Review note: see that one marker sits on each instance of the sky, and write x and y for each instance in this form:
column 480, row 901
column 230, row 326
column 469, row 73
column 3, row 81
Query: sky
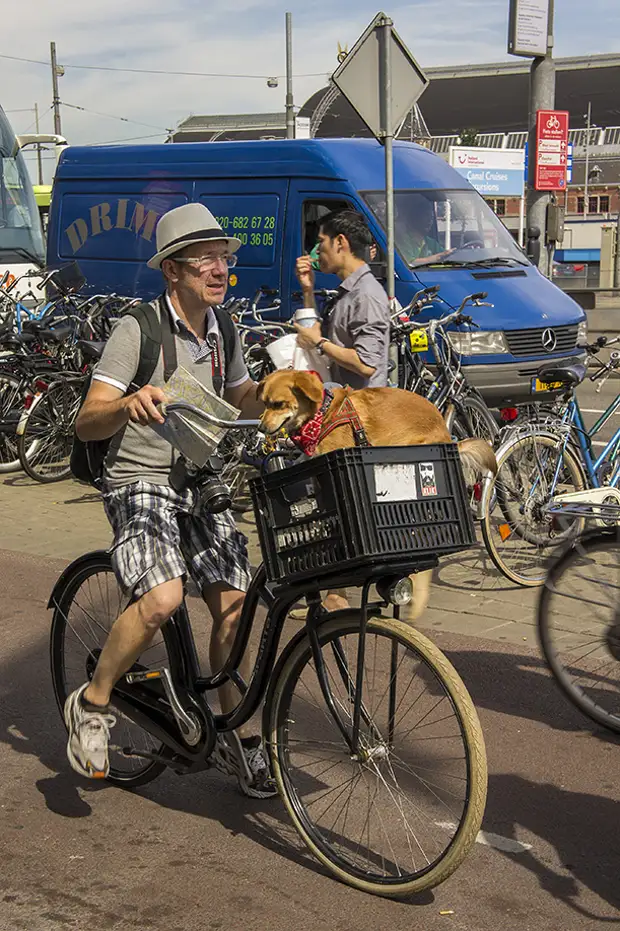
column 238, row 37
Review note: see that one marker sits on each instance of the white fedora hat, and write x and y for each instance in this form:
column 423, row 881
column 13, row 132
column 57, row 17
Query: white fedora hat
column 184, row 226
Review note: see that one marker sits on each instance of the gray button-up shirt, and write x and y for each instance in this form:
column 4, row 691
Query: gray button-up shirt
column 360, row 320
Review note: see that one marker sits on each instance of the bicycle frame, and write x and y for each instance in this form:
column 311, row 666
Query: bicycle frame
column 143, row 704
column 584, row 436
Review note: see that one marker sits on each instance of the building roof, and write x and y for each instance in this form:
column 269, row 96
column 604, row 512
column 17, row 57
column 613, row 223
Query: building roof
column 494, row 97
column 226, row 127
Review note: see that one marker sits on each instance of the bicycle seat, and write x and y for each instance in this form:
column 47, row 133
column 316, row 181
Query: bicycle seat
column 59, row 334
column 92, row 348
column 17, row 339
column 570, row 374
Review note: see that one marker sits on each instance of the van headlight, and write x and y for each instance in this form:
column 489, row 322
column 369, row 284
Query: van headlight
column 478, row 342
column 582, row 333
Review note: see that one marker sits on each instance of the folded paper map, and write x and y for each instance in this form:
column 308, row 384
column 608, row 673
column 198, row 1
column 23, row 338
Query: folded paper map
column 192, row 436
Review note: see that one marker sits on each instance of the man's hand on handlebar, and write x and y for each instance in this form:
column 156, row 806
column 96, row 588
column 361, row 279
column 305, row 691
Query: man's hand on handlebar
column 142, row 407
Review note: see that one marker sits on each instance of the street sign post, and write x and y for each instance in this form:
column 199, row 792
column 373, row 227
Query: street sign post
column 528, row 28
column 551, row 150
column 382, row 80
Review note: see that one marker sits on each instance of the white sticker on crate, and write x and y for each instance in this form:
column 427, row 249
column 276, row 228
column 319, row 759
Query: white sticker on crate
column 396, row 482
column 428, row 483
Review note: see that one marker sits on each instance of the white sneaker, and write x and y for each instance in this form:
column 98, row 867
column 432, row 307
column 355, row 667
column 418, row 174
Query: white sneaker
column 89, row 731
column 250, row 766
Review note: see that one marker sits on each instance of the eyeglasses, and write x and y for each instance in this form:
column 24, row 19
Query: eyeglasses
column 205, row 262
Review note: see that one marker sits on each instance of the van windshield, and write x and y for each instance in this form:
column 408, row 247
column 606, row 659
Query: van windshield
column 434, row 227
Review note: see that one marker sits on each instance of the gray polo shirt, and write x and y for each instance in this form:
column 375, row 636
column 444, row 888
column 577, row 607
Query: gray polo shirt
column 137, row 452
column 360, row 320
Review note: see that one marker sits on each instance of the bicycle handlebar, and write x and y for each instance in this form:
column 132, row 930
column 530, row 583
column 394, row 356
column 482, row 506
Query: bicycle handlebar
column 183, row 406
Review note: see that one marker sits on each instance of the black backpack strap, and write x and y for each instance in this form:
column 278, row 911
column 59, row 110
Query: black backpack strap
column 227, row 332
column 155, row 334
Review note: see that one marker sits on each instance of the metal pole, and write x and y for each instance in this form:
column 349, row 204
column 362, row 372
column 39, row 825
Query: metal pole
column 617, row 259
column 290, row 109
column 56, row 98
column 542, row 97
column 585, row 188
column 385, row 84
column 39, row 160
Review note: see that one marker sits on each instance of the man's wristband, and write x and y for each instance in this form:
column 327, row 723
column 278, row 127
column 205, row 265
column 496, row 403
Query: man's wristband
column 318, row 346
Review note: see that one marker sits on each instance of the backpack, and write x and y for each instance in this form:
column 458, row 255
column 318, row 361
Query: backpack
column 88, row 457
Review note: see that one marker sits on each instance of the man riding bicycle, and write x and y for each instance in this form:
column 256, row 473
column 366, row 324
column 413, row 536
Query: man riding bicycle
column 159, row 536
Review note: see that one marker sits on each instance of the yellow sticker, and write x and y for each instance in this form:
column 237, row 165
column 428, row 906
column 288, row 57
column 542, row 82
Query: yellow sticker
column 232, row 281
column 547, row 385
column 418, row 340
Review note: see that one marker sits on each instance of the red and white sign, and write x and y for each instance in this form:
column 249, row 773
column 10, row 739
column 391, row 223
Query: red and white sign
column 551, row 150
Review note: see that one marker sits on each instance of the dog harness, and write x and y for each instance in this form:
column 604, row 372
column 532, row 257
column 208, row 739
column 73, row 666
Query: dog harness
column 315, row 430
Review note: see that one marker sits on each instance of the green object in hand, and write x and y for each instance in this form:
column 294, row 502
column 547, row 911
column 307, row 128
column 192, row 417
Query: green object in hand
column 314, row 255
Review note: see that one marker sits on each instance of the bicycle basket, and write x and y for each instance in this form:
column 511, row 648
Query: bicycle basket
column 361, row 505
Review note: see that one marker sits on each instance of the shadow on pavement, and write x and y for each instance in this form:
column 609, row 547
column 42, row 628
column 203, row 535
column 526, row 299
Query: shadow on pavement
column 582, row 828
column 522, row 686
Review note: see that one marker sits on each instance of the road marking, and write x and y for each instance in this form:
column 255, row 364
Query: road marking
column 488, row 839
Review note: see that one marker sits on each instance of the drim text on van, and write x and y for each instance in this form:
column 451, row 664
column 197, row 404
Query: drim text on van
column 141, row 222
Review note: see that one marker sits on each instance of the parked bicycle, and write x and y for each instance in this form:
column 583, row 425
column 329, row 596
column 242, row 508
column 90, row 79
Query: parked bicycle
column 543, row 461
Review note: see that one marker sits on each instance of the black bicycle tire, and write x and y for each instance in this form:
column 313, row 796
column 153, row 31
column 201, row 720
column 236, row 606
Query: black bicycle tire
column 594, row 539
column 474, row 403
column 292, row 661
column 29, row 462
column 72, row 583
column 12, row 465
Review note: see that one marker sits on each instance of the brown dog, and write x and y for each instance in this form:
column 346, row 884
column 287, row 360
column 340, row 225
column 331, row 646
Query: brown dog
column 389, row 417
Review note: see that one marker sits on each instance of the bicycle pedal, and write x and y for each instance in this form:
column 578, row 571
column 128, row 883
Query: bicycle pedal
column 143, row 676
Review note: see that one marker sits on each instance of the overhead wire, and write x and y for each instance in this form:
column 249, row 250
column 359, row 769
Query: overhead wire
column 192, row 74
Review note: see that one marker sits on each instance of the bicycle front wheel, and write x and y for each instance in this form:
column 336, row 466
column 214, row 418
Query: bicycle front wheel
column 518, row 533
column 472, row 418
column 45, row 445
column 401, row 816
column 579, row 625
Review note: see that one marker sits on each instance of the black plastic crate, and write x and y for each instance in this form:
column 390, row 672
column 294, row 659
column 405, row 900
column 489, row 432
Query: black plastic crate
column 361, row 505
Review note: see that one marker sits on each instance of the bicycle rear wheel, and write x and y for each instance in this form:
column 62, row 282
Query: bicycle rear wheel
column 12, row 396
column 402, row 817
column 45, row 445
column 518, row 533
column 579, row 625
column 85, row 609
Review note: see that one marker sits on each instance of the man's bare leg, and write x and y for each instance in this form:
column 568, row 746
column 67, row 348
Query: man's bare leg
column 130, row 635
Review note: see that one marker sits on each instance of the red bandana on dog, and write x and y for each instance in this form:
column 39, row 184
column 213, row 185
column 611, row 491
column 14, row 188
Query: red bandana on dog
column 307, row 437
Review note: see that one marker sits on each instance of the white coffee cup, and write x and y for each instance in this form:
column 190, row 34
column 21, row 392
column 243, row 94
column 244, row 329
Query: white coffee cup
column 306, row 316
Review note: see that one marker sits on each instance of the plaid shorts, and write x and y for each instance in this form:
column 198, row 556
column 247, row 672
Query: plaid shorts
column 159, row 536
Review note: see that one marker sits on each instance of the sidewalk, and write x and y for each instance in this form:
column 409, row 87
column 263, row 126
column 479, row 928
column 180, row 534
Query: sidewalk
column 64, row 520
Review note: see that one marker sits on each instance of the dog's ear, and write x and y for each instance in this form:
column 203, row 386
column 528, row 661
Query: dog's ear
column 307, row 386
column 259, row 390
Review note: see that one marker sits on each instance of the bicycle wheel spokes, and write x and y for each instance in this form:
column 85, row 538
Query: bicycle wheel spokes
column 518, row 532
column 45, row 447
column 580, row 626
column 389, row 814
column 88, row 618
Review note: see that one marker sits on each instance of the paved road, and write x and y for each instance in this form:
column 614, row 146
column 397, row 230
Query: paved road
column 189, row 853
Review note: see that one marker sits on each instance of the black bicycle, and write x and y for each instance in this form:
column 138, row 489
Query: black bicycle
column 579, row 612
column 374, row 741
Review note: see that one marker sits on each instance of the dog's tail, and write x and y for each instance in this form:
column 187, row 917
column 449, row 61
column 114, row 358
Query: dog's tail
column 477, row 456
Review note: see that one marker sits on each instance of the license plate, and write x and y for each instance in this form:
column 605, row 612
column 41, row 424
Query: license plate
column 418, row 340
column 538, row 385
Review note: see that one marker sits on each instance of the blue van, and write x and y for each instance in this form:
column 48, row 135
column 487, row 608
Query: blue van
column 272, row 194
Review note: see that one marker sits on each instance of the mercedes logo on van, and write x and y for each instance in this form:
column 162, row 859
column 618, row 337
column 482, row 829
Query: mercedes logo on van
column 549, row 340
